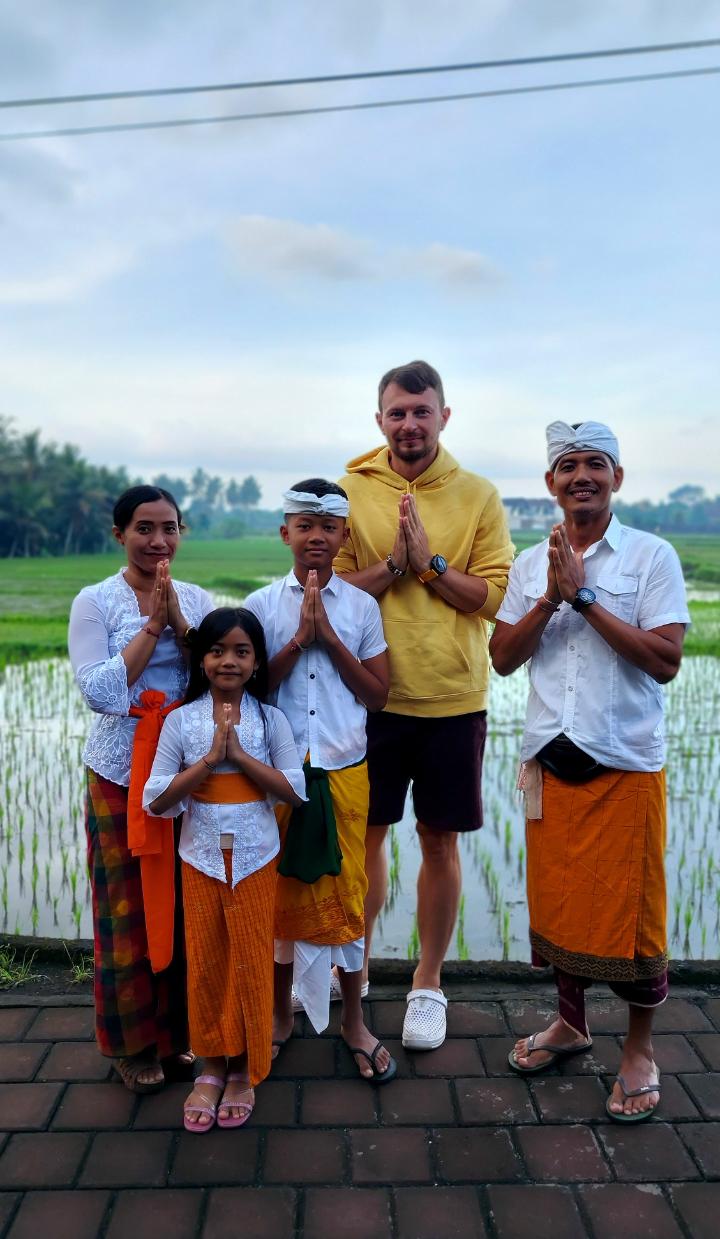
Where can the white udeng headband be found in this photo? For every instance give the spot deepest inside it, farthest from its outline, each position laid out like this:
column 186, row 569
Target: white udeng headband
column 295, row 501
column 589, row 437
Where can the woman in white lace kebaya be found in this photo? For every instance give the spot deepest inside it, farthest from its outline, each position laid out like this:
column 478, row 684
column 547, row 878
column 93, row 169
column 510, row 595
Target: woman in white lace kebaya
column 224, row 759
column 128, row 647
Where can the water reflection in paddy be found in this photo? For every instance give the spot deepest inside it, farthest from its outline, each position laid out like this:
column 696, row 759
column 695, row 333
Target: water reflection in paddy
column 43, row 882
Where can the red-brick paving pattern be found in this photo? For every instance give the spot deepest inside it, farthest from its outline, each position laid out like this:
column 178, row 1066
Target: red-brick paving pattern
column 456, row 1148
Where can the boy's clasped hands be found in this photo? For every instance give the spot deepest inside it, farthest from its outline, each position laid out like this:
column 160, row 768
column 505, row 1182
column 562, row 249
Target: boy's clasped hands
column 225, row 745
column 314, row 623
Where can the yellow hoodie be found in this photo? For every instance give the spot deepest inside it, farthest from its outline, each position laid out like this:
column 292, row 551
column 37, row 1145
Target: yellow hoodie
column 439, row 661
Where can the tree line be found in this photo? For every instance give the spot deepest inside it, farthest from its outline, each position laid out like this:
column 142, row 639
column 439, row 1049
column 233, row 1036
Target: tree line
column 53, row 502
column 688, row 510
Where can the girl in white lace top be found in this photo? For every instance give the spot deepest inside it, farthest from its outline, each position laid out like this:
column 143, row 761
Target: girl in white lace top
column 127, row 635
column 225, row 759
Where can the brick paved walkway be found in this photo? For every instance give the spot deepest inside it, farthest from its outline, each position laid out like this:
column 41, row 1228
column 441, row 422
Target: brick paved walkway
column 456, row 1148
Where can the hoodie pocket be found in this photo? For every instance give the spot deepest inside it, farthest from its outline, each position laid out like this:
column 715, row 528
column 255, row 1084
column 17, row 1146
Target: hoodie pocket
column 427, row 662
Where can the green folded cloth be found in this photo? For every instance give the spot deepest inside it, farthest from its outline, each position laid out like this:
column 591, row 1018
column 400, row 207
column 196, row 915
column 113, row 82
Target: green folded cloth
column 311, row 845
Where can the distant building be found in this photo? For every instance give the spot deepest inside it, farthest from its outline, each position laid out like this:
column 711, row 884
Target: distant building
column 535, row 515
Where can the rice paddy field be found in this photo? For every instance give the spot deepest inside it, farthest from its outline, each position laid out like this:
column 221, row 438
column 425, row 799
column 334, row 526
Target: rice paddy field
column 43, row 724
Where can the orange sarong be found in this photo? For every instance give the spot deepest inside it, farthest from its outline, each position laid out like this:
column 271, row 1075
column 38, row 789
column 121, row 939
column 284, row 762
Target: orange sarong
column 329, row 912
column 596, row 876
column 229, row 943
column 228, row 787
column 151, row 838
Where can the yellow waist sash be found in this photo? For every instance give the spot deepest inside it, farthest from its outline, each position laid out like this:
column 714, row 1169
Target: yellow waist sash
column 230, row 788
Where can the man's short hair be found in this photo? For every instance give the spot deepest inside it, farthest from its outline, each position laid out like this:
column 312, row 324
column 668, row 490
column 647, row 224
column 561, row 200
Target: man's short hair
column 414, row 378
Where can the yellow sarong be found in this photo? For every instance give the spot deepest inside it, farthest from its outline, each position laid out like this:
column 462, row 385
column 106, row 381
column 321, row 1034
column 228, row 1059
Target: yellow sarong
column 330, row 911
column 596, row 877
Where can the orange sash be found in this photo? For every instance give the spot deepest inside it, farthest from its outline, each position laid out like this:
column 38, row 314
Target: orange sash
column 230, row 787
column 151, row 838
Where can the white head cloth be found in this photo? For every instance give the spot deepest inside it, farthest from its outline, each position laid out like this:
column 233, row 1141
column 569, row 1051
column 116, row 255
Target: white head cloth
column 295, row 501
column 589, row 437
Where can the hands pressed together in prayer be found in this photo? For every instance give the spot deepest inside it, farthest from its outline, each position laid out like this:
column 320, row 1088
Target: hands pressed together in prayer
column 225, row 745
column 412, row 531
column 314, row 623
column 164, row 609
column 566, row 570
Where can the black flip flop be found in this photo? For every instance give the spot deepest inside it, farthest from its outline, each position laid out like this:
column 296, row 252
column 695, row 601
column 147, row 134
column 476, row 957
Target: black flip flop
column 639, row 1116
column 558, row 1051
column 280, row 1047
column 378, row 1077
column 176, row 1071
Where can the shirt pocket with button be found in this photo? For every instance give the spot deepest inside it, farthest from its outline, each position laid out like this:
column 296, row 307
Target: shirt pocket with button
column 617, row 593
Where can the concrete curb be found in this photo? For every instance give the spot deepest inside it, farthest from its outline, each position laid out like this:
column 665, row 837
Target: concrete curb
column 703, row 972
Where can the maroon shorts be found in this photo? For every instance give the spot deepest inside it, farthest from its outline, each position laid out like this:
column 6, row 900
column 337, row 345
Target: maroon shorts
column 443, row 759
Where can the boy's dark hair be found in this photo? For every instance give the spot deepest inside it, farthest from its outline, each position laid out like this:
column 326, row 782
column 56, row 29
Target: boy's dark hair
column 319, row 487
column 414, row 378
column 134, row 496
column 212, row 629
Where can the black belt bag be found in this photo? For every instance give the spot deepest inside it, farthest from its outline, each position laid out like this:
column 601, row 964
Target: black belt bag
column 569, row 763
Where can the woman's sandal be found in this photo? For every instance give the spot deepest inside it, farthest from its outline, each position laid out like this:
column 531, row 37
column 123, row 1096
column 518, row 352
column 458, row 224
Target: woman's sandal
column 130, row 1069
column 210, row 1107
column 557, row 1051
column 179, row 1067
column 638, row 1116
column 377, row 1077
column 246, row 1106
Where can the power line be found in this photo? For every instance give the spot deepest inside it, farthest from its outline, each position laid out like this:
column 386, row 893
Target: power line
column 507, row 63
column 188, row 122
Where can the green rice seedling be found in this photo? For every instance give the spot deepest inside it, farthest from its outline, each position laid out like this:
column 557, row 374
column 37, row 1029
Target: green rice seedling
column 413, row 950
column 506, row 933
column 81, row 966
column 14, row 971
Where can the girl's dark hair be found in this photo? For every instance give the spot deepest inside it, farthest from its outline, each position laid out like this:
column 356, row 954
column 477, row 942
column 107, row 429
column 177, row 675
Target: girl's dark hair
column 213, row 628
column 134, row 496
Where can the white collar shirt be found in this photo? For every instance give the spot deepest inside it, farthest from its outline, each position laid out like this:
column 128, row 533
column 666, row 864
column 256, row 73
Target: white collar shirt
column 579, row 685
column 326, row 718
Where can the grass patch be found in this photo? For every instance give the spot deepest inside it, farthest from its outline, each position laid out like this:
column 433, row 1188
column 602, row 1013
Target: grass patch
column 14, row 971
column 82, row 967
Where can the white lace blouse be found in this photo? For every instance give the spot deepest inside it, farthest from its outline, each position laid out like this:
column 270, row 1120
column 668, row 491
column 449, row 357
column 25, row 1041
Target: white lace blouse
column 103, row 619
column 187, row 734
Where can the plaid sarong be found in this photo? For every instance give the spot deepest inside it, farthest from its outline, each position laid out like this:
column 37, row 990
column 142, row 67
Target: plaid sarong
column 135, row 1009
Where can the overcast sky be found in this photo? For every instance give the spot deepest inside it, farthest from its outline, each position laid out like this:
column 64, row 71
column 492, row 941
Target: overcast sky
column 229, row 295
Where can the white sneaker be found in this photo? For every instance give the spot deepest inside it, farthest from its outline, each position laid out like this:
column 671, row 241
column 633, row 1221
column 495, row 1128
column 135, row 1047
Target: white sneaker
column 335, row 992
column 425, row 1023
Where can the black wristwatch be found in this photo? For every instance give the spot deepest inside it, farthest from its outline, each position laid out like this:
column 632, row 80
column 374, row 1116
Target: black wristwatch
column 438, row 566
column 584, row 598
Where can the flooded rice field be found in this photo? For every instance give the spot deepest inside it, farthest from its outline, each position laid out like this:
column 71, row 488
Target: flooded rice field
column 43, row 881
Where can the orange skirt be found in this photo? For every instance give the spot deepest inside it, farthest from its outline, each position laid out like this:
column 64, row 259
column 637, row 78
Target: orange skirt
column 229, row 942
column 330, row 912
column 596, row 876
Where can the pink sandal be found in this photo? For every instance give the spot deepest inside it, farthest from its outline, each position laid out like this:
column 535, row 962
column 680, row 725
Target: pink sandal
column 210, row 1107
column 245, row 1106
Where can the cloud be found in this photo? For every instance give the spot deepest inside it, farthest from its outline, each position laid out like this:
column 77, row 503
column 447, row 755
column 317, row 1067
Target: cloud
column 288, row 249
column 457, row 267
column 284, row 246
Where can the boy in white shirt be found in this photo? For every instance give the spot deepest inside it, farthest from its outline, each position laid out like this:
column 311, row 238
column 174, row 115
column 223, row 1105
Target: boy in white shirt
column 328, row 666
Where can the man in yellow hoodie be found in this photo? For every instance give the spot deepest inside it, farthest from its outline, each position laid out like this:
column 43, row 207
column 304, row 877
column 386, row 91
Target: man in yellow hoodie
column 430, row 541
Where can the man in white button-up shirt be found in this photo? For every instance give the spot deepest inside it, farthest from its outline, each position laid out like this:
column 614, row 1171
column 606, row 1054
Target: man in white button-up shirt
column 598, row 612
